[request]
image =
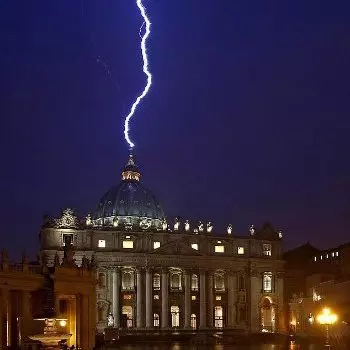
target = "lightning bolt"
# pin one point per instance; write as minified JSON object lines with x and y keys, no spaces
{"x":147,"y":24}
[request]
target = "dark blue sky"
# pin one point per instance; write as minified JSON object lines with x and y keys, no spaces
{"x":247,"y":119}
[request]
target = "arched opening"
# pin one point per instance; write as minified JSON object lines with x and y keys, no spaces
{"x":156,"y":320}
{"x":218,"y":317}
{"x":267,"y":315}
{"x":156,"y":281}
{"x":101,"y":280}
{"x":128,"y":315}
{"x":193,"y":321}
{"x":194,"y":282}
{"x":175,"y":316}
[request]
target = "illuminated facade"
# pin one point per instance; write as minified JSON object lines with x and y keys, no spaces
{"x":155,"y":275}
{"x":22,"y":298}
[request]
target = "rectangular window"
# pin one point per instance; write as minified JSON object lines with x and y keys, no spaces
{"x":218,"y":297}
{"x":156,"y":245}
{"x":336,"y":254}
{"x":156,"y":297}
{"x":194,"y":246}
{"x":193,"y":297}
{"x":315,"y":258}
{"x":128,"y":244}
{"x":102,"y":243}
{"x":267,"y":249}
{"x":219,"y":249}
{"x":127,"y":296}
{"x":240,"y":250}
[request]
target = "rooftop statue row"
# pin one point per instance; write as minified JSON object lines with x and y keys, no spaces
{"x":69,"y":220}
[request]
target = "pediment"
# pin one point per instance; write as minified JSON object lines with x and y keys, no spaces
{"x":176,"y":248}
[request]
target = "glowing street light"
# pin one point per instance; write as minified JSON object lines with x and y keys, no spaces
{"x":326,"y":318}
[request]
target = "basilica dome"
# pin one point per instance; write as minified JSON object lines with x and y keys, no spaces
{"x":129,"y":204}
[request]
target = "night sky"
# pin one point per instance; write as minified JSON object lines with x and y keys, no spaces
{"x":247,"y":120}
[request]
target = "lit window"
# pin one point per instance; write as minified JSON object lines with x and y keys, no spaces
{"x":194,"y":246}
{"x":156,"y":281}
{"x":267,"y":249}
{"x":193,"y":297}
{"x":128,"y":244}
{"x":315,"y":258}
{"x":127,"y":237}
{"x":219,"y":249}
{"x":127,"y":296}
{"x":332,"y":254}
{"x":321,"y":257}
{"x":267,"y":282}
{"x":156,"y":245}
{"x":102,"y":243}
{"x":336,"y":254}
{"x":218,"y":297}
{"x":194,"y":282}
{"x":156,"y":297}
{"x":156,"y":320}
{"x":327,"y":256}
{"x":240,"y":250}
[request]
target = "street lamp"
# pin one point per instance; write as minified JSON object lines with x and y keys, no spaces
{"x":326,"y":318}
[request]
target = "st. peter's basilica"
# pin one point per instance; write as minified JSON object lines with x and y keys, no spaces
{"x":157,"y":274}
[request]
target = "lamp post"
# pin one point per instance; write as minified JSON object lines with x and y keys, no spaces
{"x":326,"y":318}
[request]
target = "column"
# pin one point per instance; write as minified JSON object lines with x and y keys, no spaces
{"x":231,"y":299}
{"x":84,"y":316}
{"x":202,"y":301}
{"x":116,"y":297}
{"x":149,"y":299}
{"x":165,"y":293}
{"x":26,"y":318}
{"x":254,"y":293}
{"x":139,"y":299}
{"x":210,"y":299}
{"x":187,"y":323}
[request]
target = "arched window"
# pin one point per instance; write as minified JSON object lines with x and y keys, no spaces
{"x":156,"y":281}
{"x":101,"y":280}
{"x":219,"y":282}
{"x":156,"y":320}
{"x":194,"y":282}
{"x":241,"y":283}
{"x":267,"y":282}
{"x":128,"y":280}
{"x":175,"y":281}
{"x":193,"y":321}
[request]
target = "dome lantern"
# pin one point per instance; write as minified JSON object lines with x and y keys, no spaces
{"x":131,"y":171}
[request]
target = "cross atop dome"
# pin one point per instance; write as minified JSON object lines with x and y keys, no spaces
{"x":131,"y":171}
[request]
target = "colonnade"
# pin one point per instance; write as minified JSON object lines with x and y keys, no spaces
{"x":144,"y":298}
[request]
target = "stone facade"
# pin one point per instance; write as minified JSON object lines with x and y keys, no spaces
{"x":21,"y":301}
{"x":180,"y":279}
{"x":152,"y":274}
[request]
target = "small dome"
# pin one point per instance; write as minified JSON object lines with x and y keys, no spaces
{"x":129,"y":203}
